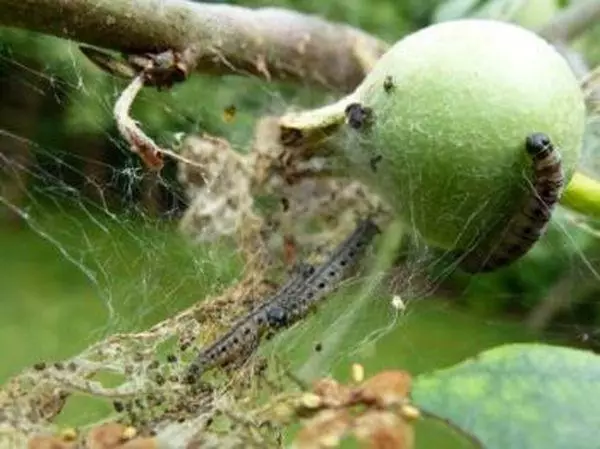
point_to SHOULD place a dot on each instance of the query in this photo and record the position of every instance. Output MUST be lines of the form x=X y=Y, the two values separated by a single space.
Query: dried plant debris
x=376 y=412
x=139 y=142
x=313 y=209
x=105 y=436
x=149 y=392
x=149 y=387
x=160 y=70
x=218 y=187
x=155 y=392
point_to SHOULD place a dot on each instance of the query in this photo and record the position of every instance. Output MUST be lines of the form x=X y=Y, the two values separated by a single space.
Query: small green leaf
x=519 y=396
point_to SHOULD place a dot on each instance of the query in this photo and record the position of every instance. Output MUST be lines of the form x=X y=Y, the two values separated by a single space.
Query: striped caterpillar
x=244 y=335
x=326 y=277
x=530 y=222
x=292 y=302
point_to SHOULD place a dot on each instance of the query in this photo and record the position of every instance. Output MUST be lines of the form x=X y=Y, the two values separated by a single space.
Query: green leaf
x=519 y=396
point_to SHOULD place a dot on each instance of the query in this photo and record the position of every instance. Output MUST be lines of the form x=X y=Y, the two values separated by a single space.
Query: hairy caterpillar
x=244 y=335
x=530 y=222
x=289 y=304
x=327 y=276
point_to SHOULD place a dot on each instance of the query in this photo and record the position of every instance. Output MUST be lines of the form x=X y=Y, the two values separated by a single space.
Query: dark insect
x=358 y=116
x=374 y=162
x=118 y=406
x=530 y=222
x=229 y=113
x=388 y=84
x=276 y=317
x=39 y=366
x=291 y=137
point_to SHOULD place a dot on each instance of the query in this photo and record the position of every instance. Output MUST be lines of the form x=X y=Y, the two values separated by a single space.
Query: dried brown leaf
x=331 y=392
x=383 y=430
x=325 y=430
x=140 y=443
x=106 y=436
x=49 y=442
x=387 y=388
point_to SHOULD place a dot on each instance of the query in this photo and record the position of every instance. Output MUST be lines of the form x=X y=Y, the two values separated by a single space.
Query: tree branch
x=571 y=22
x=269 y=42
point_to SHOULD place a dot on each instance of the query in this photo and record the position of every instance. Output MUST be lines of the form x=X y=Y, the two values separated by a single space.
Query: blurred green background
x=89 y=242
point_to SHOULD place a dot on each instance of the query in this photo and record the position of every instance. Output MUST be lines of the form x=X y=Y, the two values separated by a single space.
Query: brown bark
x=269 y=42
x=572 y=21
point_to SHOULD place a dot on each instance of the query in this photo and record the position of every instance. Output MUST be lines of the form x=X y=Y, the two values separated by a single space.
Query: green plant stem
x=583 y=195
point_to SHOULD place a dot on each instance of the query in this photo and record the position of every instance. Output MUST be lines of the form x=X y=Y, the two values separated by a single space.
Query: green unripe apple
x=452 y=105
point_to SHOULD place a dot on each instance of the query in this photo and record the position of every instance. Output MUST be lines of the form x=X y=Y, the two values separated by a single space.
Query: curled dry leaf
x=108 y=436
x=324 y=430
x=138 y=141
x=383 y=430
x=376 y=411
x=49 y=442
x=104 y=436
x=387 y=388
x=218 y=186
x=332 y=393
x=140 y=443
x=311 y=401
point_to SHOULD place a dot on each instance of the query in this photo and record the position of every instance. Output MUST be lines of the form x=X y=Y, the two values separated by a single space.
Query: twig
x=270 y=43
x=139 y=142
x=573 y=21
x=590 y=84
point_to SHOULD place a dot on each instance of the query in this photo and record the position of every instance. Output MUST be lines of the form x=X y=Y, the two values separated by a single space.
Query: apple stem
x=582 y=195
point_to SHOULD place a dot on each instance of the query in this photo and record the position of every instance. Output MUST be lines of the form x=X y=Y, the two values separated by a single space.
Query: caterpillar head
x=277 y=317
x=537 y=143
